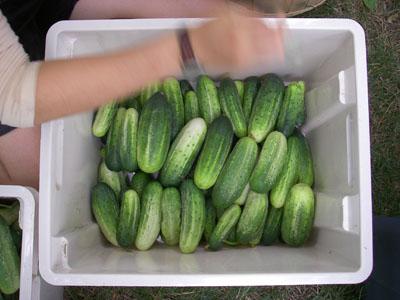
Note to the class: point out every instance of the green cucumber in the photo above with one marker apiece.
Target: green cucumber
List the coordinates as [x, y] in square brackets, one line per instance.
[259, 231]
[235, 174]
[154, 134]
[270, 163]
[183, 152]
[139, 182]
[231, 106]
[231, 238]
[266, 107]
[207, 96]
[288, 177]
[306, 168]
[132, 102]
[148, 92]
[191, 106]
[298, 215]
[9, 261]
[111, 178]
[240, 88]
[243, 196]
[250, 92]
[211, 219]
[214, 153]
[292, 112]
[128, 140]
[150, 216]
[272, 226]
[171, 216]
[112, 158]
[128, 219]
[104, 118]
[105, 210]
[224, 226]
[185, 86]
[193, 216]
[10, 213]
[172, 92]
[252, 217]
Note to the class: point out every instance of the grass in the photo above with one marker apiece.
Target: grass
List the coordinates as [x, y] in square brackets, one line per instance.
[383, 34]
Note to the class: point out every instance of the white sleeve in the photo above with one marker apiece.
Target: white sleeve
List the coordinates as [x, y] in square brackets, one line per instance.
[18, 77]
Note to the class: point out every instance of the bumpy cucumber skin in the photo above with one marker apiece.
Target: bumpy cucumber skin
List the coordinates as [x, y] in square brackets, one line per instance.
[231, 106]
[193, 216]
[191, 106]
[111, 178]
[289, 174]
[207, 96]
[139, 182]
[105, 209]
[236, 173]
[128, 140]
[172, 92]
[270, 163]
[252, 218]
[128, 219]
[240, 88]
[9, 261]
[104, 118]
[306, 167]
[224, 226]
[148, 92]
[112, 158]
[251, 85]
[154, 134]
[183, 152]
[150, 216]
[211, 220]
[266, 107]
[214, 153]
[298, 215]
[171, 216]
[272, 226]
[292, 112]
[243, 196]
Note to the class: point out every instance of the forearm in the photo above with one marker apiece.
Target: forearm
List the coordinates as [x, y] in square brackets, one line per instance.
[70, 86]
[123, 9]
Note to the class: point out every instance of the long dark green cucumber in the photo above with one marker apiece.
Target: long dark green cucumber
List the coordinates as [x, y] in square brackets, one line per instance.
[172, 92]
[191, 106]
[211, 218]
[128, 140]
[171, 216]
[251, 85]
[272, 226]
[112, 158]
[306, 168]
[128, 219]
[207, 95]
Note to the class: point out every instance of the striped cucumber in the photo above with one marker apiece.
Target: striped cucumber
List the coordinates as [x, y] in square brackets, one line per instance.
[128, 140]
[139, 182]
[147, 92]
[240, 88]
[272, 226]
[105, 210]
[249, 94]
[292, 112]
[172, 92]
[243, 196]
[183, 152]
[112, 158]
[252, 217]
[191, 106]
[270, 163]
[224, 226]
[207, 96]
[128, 219]
[214, 153]
[154, 134]
[150, 216]
[111, 178]
[185, 86]
[306, 168]
[211, 219]
[231, 106]
[236, 173]
[171, 216]
[9, 261]
[193, 216]
[104, 118]
[288, 177]
[259, 231]
[298, 215]
[266, 107]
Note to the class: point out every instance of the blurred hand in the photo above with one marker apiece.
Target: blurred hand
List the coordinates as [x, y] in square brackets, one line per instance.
[236, 41]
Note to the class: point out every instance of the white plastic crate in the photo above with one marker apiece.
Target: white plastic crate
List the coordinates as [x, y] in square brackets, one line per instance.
[330, 55]
[32, 286]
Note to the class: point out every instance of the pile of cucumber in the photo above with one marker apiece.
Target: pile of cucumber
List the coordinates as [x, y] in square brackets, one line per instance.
[10, 248]
[224, 164]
